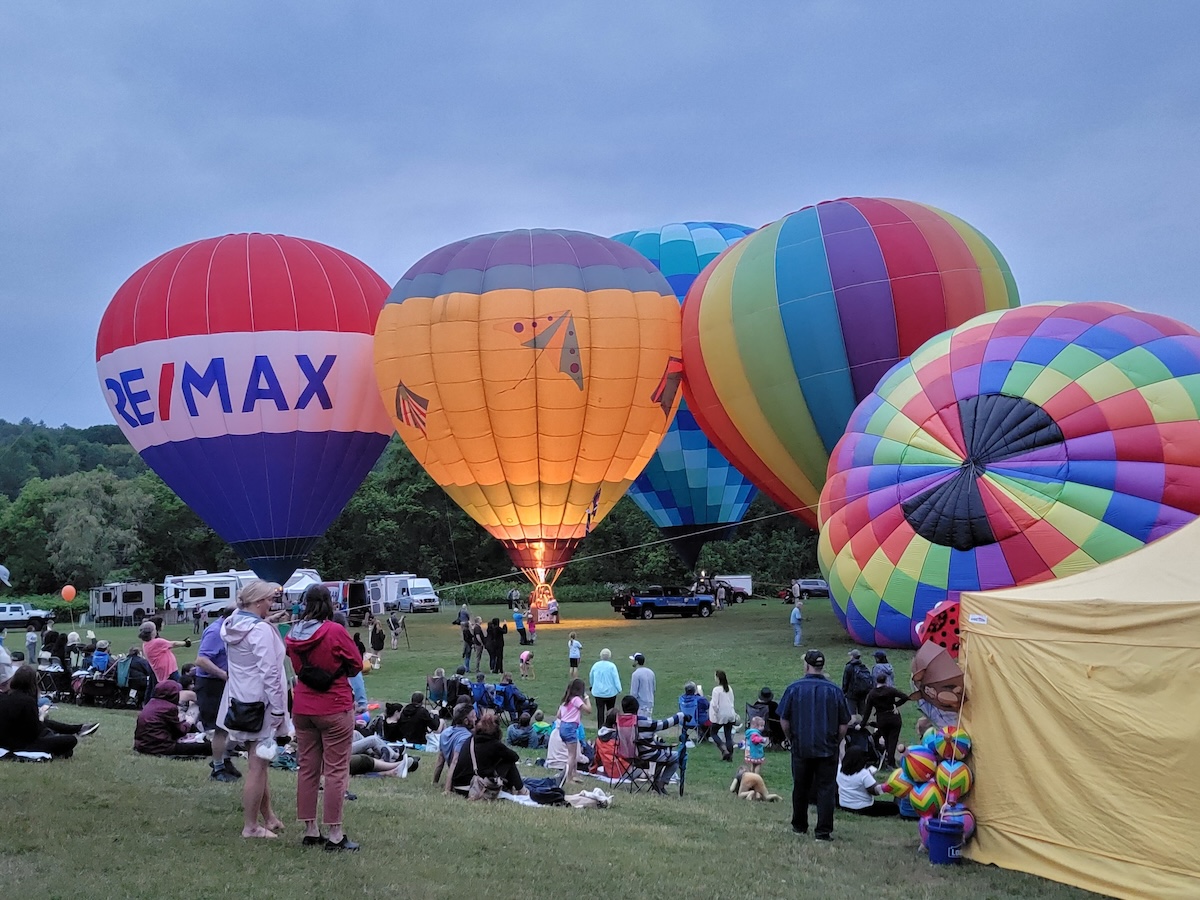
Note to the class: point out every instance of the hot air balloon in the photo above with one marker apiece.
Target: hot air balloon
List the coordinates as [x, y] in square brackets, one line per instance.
[239, 367]
[793, 326]
[1022, 446]
[688, 489]
[533, 375]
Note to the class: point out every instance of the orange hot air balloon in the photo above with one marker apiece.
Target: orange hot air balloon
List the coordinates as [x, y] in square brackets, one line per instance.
[68, 592]
[533, 374]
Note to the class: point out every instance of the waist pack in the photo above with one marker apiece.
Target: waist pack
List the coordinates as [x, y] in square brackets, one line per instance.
[245, 715]
[315, 677]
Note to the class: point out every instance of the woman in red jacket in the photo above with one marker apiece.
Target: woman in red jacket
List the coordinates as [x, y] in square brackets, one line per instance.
[323, 656]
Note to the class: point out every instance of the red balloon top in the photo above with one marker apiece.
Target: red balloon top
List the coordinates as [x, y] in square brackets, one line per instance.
[243, 283]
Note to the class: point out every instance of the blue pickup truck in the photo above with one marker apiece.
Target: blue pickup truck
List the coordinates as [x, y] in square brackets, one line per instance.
[655, 600]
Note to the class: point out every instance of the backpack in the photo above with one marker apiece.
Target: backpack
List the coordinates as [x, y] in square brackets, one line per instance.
[545, 791]
[860, 680]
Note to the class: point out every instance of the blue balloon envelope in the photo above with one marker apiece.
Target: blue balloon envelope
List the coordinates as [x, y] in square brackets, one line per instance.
[688, 489]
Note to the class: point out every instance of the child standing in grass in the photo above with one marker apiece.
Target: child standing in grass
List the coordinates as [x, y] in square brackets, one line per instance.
[756, 745]
[574, 652]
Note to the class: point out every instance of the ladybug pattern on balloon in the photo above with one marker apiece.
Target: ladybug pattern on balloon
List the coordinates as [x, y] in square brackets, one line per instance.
[941, 627]
[239, 367]
[1024, 445]
[919, 764]
[954, 778]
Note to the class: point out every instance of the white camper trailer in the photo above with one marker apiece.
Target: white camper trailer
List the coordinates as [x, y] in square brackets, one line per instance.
[213, 591]
[404, 592]
[121, 603]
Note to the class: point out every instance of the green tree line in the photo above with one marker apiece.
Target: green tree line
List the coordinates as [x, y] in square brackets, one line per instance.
[78, 506]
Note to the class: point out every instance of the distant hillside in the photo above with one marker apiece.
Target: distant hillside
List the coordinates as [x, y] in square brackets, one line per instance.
[31, 450]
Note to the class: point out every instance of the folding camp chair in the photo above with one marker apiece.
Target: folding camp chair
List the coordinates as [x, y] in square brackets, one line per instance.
[637, 770]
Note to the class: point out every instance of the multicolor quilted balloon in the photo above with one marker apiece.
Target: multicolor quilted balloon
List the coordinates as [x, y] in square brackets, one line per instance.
[1025, 445]
[919, 764]
[927, 798]
[952, 742]
[688, 489]
[898, 784]
[956, 812]
[954, 778]
[791, 327]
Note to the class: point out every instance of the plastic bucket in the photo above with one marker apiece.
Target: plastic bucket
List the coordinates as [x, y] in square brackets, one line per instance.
[945, 842]
[906, 809]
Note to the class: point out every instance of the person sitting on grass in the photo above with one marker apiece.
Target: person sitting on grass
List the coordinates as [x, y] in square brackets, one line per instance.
[414, 721]
[857, 788]
[160, 729]
[541, 728]
[462, 723]
[520, 733]
[22, 726]
[486, 751]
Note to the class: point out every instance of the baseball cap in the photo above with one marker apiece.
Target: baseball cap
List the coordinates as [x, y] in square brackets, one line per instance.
[639, 659]
[815, 658]
[856, 653]
[879, 654]
[5, 575]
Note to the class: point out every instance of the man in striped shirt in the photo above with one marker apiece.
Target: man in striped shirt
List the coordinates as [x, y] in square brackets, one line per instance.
[814, 715]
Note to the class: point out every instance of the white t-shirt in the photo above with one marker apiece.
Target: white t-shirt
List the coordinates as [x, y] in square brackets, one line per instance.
[574, 649]
[854, 791]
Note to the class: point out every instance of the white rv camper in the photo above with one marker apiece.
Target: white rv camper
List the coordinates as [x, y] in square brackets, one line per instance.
[121, 603]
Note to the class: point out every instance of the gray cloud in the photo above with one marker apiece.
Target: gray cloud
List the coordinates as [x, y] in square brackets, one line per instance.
[1066, 132]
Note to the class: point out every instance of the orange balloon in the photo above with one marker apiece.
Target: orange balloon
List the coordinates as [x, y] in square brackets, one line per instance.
[68, 592]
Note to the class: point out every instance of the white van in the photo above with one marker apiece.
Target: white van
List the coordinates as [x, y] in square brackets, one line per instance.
[121, 603]
[404, 592]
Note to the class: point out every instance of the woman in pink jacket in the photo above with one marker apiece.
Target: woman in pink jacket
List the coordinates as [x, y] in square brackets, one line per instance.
[254, 707]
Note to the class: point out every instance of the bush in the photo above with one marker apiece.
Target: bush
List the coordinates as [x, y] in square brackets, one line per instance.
[497, 592]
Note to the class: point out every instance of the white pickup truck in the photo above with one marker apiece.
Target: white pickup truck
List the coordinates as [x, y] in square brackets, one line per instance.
[20, 615]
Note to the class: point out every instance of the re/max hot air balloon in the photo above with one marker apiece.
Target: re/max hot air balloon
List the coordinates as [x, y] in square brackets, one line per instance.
[532, 374]
[239, 367]
[688, 489]
[790, 328]
[1021, 446]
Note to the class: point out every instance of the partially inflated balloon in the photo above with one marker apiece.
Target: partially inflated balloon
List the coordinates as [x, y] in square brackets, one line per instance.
[1024, 445]
[790, 328]
[688, 489]
[533, 375]
[239, 368]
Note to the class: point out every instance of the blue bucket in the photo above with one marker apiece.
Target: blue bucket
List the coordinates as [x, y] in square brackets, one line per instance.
[906, 809]
[945, 842]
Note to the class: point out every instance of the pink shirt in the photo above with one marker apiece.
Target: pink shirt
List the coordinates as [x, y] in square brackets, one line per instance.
[161, 657]
[569, 711]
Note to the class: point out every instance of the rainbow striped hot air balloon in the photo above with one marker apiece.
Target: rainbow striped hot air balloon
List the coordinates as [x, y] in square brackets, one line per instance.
[533, 375]
[688, 489]
[1024, 445]
[793, 326]
[239, 367]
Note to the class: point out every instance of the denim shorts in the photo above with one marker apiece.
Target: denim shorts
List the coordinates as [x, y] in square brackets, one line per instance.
[569, 732]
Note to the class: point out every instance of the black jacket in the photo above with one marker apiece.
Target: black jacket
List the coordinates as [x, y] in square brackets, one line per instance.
[495, 637]
[495, 759]
[19, 722]
[414, 725]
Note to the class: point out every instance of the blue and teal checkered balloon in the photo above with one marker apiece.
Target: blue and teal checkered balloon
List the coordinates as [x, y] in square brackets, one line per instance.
[689, 489]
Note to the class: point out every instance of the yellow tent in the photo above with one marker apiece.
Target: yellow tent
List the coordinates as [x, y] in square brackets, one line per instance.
[1083, 701]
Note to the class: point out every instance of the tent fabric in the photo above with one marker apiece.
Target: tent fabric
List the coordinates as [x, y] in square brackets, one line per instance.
[1083, 709]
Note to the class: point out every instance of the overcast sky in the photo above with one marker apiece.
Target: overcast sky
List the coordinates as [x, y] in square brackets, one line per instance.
[1069, 133]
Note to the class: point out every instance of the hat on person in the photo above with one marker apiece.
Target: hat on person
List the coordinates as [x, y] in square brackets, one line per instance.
[879, 654]
[690, 687]
[816, 658]
[6, 665]
[856, 653]
[766, 694]
[100, 645]
[5, 575]
[73, 637]
[639, 659]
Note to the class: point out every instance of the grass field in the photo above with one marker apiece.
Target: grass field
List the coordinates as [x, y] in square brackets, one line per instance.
[111, 824]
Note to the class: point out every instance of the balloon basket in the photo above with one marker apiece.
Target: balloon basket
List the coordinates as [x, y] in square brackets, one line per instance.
[945, 842]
